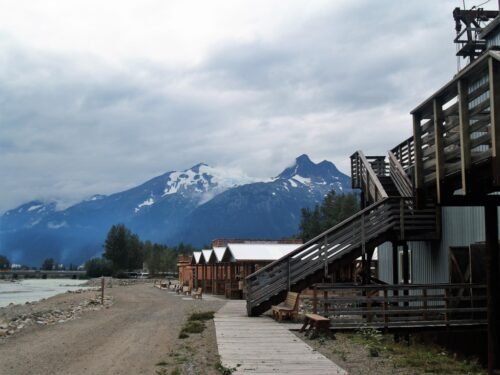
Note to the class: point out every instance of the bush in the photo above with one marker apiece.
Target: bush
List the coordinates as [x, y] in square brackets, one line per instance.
[97, 267]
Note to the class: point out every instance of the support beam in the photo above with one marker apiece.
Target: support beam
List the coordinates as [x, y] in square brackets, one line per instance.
[438, 145]
[463, 118]
[494, 75]
[493, 279]
[417, 141]
[406, 264]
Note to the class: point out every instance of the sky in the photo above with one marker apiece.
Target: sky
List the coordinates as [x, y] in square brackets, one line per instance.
[99, 96]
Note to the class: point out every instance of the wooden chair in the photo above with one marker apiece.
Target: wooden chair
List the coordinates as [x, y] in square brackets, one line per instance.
[289, 308]
[198, 293]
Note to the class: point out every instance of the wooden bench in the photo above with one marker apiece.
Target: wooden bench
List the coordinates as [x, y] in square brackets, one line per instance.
[289, 308]
[317, 324]
[197, 293]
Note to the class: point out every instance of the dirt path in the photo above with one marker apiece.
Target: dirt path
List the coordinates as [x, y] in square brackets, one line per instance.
[131, 337]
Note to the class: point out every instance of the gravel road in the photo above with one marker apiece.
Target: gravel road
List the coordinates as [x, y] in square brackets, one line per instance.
[130, 337]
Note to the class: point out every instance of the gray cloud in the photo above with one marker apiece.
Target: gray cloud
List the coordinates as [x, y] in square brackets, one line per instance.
[72, 126]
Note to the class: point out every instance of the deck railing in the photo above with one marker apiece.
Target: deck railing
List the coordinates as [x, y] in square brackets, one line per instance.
[457, 128]
[394, 215]
[389, 306]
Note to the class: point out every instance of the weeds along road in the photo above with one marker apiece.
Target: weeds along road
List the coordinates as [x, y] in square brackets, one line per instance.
[130, 337]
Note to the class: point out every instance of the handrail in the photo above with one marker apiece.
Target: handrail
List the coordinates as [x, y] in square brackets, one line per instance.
[345, 239]
[314, 240]
[366, 177]
[399, 177]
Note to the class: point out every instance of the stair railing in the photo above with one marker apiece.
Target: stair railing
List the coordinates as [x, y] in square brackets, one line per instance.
[399, 177]
[365, 172]
[320, 251]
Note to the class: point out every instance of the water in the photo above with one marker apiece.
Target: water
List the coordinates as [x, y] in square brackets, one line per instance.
[31, 290]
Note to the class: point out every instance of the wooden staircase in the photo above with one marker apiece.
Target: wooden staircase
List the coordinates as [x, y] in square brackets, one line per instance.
[387, 217]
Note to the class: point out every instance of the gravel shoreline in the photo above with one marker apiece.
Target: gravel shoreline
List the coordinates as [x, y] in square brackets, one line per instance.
[135, 331]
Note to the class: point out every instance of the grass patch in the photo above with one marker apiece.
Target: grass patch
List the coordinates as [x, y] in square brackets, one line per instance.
[424, 358]
[223, 369]
[195, 323]
[207, 315]
[162, 363]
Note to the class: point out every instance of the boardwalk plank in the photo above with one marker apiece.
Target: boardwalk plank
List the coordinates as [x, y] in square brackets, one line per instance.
[259, 345]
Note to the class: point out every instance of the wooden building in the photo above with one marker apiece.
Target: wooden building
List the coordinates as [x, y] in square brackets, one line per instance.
[430, 206]
[222, 270]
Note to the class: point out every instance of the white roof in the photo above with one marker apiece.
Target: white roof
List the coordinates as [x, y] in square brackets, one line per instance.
[206, 254]
[219, 252]
[258, 251]
[197, 256]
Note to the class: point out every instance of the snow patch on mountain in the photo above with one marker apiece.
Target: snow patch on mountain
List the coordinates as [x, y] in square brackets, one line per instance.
[148, 202]
[205, 180]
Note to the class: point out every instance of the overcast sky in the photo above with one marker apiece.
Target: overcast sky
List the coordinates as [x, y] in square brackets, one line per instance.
[99, 96]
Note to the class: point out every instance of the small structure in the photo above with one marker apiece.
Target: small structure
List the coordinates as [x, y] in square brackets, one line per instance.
[222, 270]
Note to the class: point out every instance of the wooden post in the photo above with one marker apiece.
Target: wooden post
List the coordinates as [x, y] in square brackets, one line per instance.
[493, 281]
[419, 170]
[494, 80]
[406, 264]
[438, 146]
[102, 290]
[463, 117]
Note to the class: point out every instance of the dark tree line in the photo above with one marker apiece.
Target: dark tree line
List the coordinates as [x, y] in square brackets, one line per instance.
[4, 262]
[124, 251]
[333, 210]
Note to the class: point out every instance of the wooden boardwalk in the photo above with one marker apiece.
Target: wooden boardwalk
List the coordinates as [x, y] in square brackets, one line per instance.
[260, 345]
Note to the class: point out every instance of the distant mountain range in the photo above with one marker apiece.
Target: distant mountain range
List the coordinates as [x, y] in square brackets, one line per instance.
[192, 206]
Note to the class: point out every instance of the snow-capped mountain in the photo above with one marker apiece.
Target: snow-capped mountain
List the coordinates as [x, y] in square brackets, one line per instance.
[26, 215]
[193, 206]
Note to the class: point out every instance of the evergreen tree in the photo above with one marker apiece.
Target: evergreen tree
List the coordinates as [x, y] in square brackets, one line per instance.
[123, 248]
[4, 262]
[97, 267]
[48, 264]
[333, 210]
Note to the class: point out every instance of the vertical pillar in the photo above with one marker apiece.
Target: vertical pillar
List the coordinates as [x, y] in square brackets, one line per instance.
[419, 170]
[406, 264]
[494, 79]
[463, 118]
[438, 147]
[493, 280]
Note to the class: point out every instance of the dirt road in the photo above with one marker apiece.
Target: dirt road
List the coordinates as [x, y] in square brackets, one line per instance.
[131, 337]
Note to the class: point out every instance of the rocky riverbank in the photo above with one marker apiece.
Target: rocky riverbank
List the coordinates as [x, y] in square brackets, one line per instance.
[55, 310]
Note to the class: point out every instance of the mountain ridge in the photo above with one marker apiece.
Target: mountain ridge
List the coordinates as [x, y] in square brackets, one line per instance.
[193, 206]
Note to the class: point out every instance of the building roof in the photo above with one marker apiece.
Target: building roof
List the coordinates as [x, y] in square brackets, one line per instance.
[257, 251]
[217, 254]
[207, 253]
[196, 257]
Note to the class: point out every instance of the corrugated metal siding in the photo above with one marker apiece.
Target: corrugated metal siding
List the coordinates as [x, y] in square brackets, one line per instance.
[385, 262]
[461, 226]
[493, 39]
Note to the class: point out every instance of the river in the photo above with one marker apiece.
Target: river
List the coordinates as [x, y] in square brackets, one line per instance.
[31, 290]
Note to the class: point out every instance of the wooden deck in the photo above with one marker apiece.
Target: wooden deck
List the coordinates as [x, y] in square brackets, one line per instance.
[260, 345]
